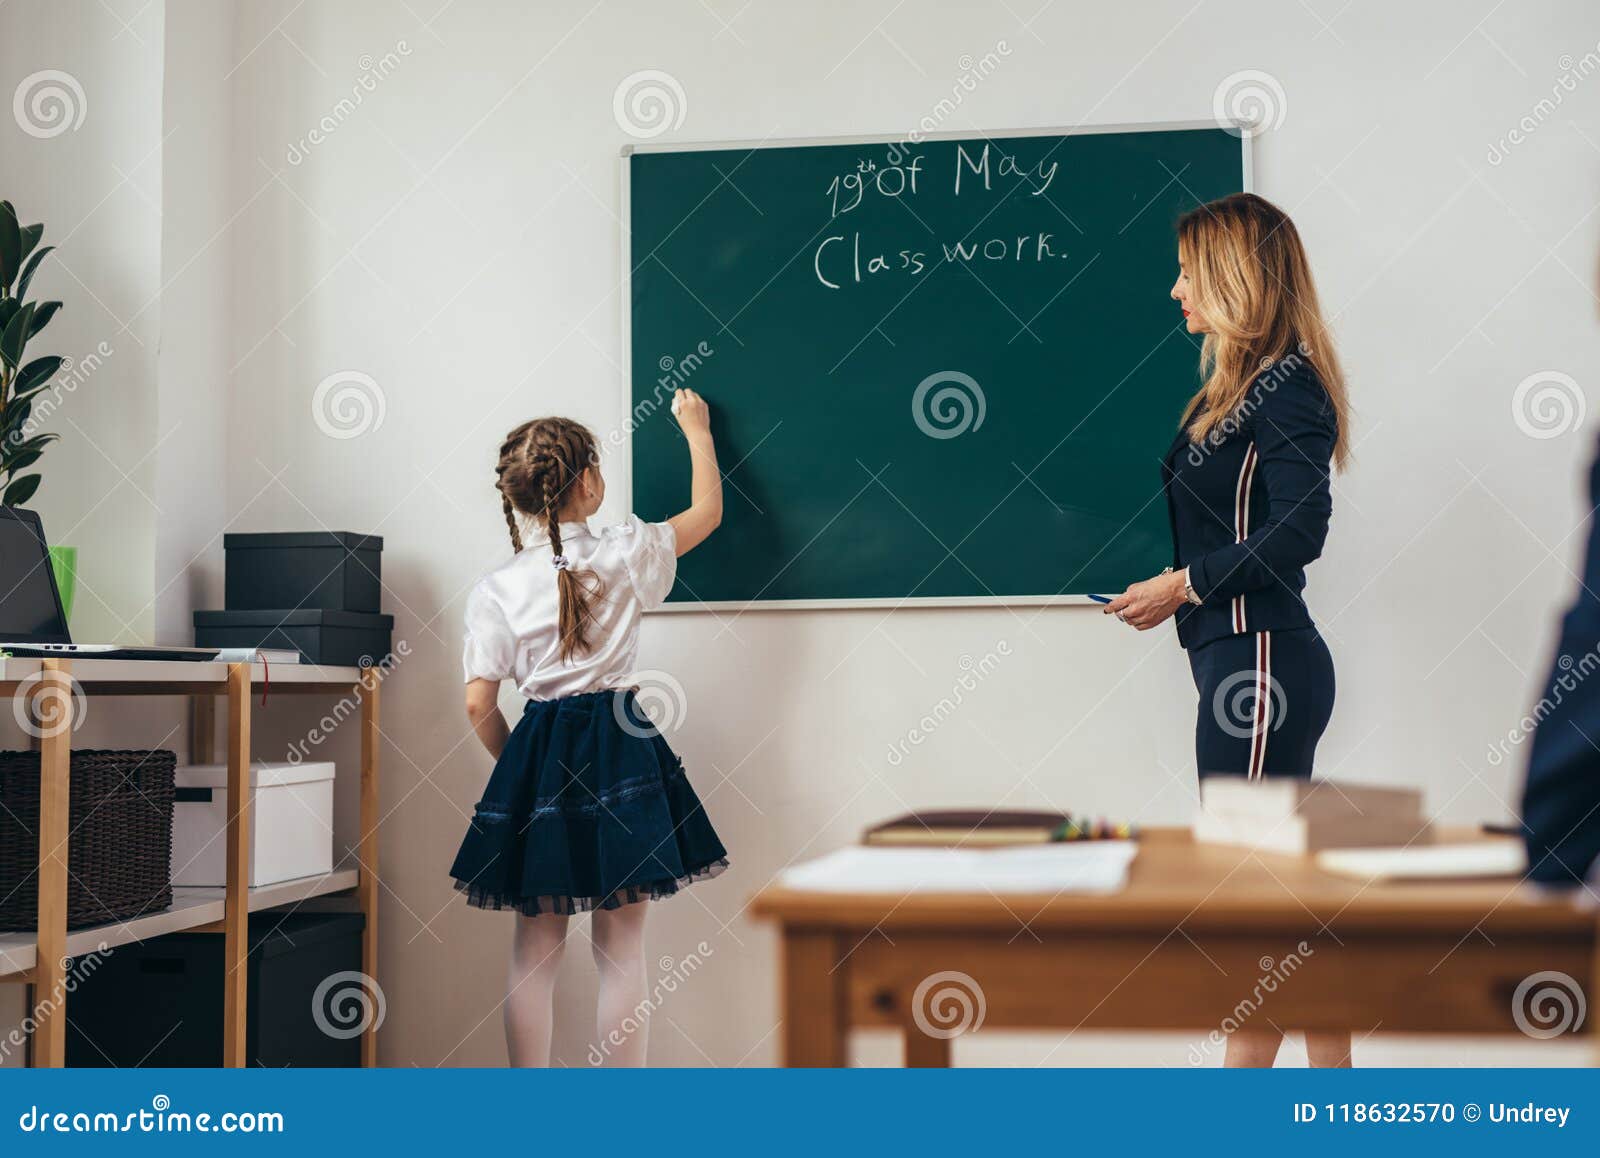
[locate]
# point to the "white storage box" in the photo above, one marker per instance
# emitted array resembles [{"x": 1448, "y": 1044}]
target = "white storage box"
[{"x": 291, "y": 825}]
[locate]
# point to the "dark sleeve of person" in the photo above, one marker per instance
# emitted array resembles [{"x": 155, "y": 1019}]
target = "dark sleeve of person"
[
  {"x": 1294, "y": 436},
  {"x": 1561, "y": 800}
]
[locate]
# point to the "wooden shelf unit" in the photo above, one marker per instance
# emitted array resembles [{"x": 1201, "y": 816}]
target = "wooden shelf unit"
[{"x": 39, "y": 959}]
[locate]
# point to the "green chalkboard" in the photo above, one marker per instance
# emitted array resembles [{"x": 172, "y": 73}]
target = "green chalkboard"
[{"x": 944, "y": 370}]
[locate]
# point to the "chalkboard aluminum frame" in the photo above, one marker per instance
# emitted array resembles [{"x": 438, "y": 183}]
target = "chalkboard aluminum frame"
[{"x": 1247, "y": 184}]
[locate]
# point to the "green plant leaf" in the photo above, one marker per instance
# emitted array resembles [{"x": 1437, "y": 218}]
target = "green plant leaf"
[
  {"x": 37, "y": 373},
  {"x": 42, "y": 316},
  {"x": 8, "y": 310},
  {"x": 10, "y": 245},
  {"x": 21, "y": 489},
  {"x": 15, "y": 336},
  {"x": 30, "y": 395},
  {"x": 15, "y": 417},
  {"x": 24, "y": 454},
  {"x": 37, "y": 442},
  {"x": 29, "y": 269},
  {"x": 23, "y": 460},
  {"x": 30, "y": 238}
]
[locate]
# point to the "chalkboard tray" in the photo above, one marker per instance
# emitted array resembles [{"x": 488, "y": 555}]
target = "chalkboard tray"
[{"x": 942, "y": 371}]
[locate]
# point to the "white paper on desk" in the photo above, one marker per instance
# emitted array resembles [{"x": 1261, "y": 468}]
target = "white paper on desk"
[{"x": 1099, "y": 866}]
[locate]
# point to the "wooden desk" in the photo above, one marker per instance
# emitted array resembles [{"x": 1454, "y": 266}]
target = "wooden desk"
[
  {"x": 1201, "y": 935},
  {"x": 39, "y": 960}
]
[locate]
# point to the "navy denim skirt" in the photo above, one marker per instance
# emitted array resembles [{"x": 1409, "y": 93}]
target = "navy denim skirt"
[{"x": 588, "y": 807}]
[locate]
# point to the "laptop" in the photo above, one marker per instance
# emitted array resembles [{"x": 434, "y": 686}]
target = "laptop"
[{"x": 32, "y": 624}]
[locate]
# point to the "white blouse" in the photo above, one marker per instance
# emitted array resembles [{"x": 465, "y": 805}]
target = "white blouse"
[{"x": 513, "y": 612}]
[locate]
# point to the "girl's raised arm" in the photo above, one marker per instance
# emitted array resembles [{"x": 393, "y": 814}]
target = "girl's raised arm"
[{"x": 694, "y": 525}]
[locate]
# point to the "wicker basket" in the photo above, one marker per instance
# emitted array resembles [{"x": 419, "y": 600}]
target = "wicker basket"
[{"x": 119, "y": 863}]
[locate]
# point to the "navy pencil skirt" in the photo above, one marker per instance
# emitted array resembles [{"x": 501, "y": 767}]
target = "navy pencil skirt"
[{"x": 1265, "y": 700}]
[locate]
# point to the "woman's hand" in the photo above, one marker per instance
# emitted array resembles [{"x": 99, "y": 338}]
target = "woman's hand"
[{"x": 1147, "y": 604}]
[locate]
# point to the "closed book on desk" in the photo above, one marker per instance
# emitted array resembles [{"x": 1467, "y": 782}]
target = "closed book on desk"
[
  {"x": 969, "y": 828},
  {"x": 1304, "y": 834},
  {"x": 1238, "y": 797},
  {"x": 267, "y": 655}
]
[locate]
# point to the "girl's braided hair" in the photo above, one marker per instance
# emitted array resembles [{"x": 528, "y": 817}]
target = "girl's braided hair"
[{"x": 539, "y": 462}]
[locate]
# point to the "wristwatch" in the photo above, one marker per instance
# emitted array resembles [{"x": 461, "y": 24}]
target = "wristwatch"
[{"x": 1189, "y": 594}]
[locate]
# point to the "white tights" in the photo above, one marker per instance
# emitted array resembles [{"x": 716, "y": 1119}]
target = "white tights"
[{"x": 618, "y": 941}]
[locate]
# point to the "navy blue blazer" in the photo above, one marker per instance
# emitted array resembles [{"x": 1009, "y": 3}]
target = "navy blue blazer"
[
  {"x": 1250, "y": 506},
  {"x": 1561, "y": 801}
]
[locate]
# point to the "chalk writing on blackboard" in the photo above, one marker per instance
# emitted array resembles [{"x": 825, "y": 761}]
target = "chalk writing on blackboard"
[{"x": 842, "y": 258}]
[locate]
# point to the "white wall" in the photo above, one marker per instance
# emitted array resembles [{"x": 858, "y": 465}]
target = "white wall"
[
  {"x": 196, "y": 273},
  {"x": 97, "y": 188},
  {"x": 455, "y": 238},
  {"x": 91, "y": 170}
]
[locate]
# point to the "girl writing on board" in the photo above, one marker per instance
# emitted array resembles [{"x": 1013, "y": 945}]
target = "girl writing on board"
[
  {"x": 1247, "y": 486},
  {"x": 587, "y": 809}
]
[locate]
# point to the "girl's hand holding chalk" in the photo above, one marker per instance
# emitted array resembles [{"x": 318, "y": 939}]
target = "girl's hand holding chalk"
[
  {"x": 692, "y": 413},
  {"x": 705, "y": 481}
]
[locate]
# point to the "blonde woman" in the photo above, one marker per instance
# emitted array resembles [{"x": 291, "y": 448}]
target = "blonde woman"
[{"x": 1247, "y": 486}]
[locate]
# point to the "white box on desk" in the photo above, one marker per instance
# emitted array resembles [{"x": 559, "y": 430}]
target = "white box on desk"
[{"x": 291, "y": 824}]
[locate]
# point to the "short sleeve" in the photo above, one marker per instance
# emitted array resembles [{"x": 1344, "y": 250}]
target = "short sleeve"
[
  {"x": 650, "y": 552},
  {"x": 490, "y": 646}
]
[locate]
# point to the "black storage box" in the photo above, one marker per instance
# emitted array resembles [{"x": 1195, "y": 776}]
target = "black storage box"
[
  {"x": 159, "y": 1003},
  {"x": 332, "y": 638},
  {"x": 328, "y": 570}
]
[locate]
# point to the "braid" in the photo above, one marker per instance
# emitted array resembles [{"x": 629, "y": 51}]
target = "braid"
[
  {"x": 511, "y": 522},
  {"x": 552, "y": 488},
  {"x": 509, "y": 462},
  {"x": 539, "y": 462}
]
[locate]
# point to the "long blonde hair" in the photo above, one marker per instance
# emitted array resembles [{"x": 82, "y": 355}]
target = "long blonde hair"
[
  {"x": 1252, "y": 284},
  {"x": 540, "y": 464}
]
